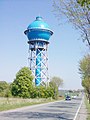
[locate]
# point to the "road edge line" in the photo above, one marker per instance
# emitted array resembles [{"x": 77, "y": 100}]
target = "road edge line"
[{"x": 78, "y": 109}]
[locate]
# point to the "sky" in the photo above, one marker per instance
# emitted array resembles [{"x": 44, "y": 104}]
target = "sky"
[{"x": 65, "y": 50}]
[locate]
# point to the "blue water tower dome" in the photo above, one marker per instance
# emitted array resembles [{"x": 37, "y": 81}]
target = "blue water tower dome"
[
  {"x": 38, "y": 30},
  {"x": 38, "y": 34}
]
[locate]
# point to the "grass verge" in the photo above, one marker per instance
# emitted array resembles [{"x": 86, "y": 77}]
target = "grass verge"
[
  {"x": 12, "y": 103},
  {"x": 88, "y": 109}
]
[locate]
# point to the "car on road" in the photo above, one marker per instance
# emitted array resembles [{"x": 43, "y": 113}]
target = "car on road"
[
  {"x": 67, "y": 97},
  {"x": 74, "y": 97}
]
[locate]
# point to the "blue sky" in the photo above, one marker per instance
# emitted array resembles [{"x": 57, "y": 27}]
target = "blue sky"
[{"x": 65, "y": 50}]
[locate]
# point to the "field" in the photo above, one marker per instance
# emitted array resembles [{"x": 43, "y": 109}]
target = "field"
[{"x": 12, "y": 103}]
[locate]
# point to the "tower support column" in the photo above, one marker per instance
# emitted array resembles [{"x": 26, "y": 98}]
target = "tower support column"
[{"x": 38, "y": 61}]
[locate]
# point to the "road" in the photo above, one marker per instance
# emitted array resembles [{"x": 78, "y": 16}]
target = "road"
[{"x": 60, "y": 110}]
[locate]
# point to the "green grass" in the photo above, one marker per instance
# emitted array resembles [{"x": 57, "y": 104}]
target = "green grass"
[
  {"x": 12, "y": 103},
  {"x": 88, "y": 108}
]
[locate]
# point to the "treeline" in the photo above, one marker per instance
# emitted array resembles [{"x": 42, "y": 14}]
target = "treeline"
[
  {"x": 5, "y": 89},
  {"x": 85, "y": 74},
  {"x": 23, "y": 86}
]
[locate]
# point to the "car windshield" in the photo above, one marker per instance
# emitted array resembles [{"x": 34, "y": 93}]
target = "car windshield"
[{"x": 68, "y": 96}]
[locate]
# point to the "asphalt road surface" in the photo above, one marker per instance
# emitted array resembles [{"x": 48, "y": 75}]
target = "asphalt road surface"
[{"x": 60, "y": 110}]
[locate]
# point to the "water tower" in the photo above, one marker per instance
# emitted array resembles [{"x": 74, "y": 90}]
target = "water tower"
[{"x": 38, "y": 34}]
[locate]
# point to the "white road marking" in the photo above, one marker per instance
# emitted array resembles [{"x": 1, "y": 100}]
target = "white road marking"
[{"x": 78, "y": 109}]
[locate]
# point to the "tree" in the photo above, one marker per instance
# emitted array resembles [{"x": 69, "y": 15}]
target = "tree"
[
  {"x": 22, "y": 85},
  {"x": 3, "y": 85},
  {"x": 5, "y": 89},
  {"x": 86, "y": 85},
  {"x": 84, "y": 2},
  {"x": 84, "y": 69},
  {"x": 76, "y": 14},
  {"x": 55, "y": 83},
  {"x": 42, "y": 92}
]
